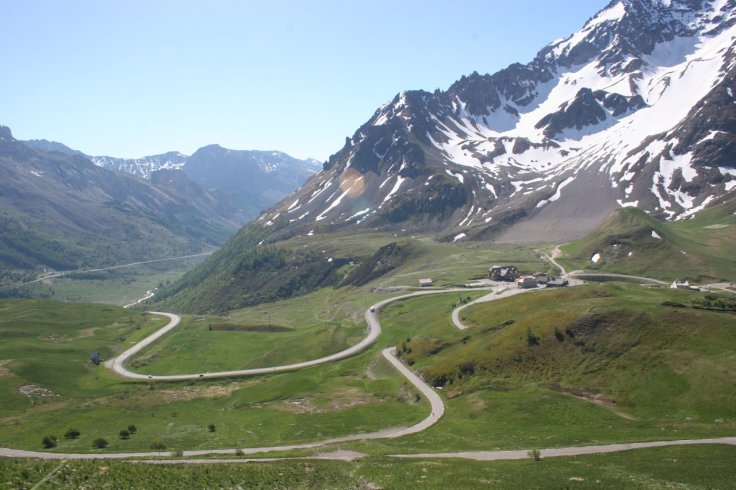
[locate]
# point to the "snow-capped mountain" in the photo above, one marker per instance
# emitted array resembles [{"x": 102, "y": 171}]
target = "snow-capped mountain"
[
  {"x": 264, "y": 161},
  {"x": 142, "y": 167},
  {"x": 635, "y": 109},
  {"x": 247, "y": 180}
]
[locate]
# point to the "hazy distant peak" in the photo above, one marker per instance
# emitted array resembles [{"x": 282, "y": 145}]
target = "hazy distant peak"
[{"x": 6, "y": 134}]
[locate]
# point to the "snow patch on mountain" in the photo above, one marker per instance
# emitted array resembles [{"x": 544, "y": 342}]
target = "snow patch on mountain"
[{"x": 142, "y": 167}]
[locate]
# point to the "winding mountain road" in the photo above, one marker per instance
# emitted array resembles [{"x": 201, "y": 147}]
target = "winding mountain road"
[{"x": 374, "y": 329}]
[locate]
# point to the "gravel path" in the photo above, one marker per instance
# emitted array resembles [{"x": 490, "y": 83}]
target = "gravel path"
[{"x": 567, "y": 451}]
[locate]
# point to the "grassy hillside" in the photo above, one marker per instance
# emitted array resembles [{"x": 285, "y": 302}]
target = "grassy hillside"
[
  {"x": 48, "y": 385},
  {"x": 699, "y": 249},
  {"x": 288, "y": 331},
  {"x": 248, "y": 270},
  {"x": 61, "y": 212},
  {"x": 253, "y": 268},
  {"x": 653, "y": 357}
]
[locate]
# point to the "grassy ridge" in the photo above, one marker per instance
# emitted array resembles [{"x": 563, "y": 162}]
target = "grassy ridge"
[
  {"x": 699, "y": 249},
  {"x": 616, "y": 340}
]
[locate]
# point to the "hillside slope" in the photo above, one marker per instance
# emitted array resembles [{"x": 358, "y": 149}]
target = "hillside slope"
[
  {"x": 653, "y": 355},
  {"x": 61, "y": 212},
  {"x": 631, "y": 242}
]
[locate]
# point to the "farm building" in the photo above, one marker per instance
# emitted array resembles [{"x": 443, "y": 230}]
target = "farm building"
[
  {"x": 558, "y": 283},
  {"x": 542, "y": 277},
  {"x": 425, "y": 283},
  {"x": 506, "y": 273},
  {"x": 527, "y": 282}
]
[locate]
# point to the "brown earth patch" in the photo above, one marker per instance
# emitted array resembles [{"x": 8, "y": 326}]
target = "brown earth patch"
[
  {"x": 597, "y": 398},
  {"x": 87, "y": 332},
  {"x": 167, "y": 395},
  {"x": 337, "y": 401},
  {"x": 194, "y": 392},
  {"x": 251, "y": 328},
  {"x": 4, "y": 371},
  {"x": 54, "y": 339}
]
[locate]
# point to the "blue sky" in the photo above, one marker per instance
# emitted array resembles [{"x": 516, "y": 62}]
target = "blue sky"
[{"x": 139, "y": 77}]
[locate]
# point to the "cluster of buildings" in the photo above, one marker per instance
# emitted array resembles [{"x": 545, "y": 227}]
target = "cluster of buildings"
[{"x": 509, "y": 273}]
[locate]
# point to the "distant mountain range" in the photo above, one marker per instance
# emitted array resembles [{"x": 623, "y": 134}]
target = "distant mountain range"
[
  {"x": 60, "y": 210},
  {"x": 635, "y": 109},
  {"x": 251, "y": 181}
]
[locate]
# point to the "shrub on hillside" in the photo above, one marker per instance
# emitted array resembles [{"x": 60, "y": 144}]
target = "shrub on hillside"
[
  {"x": 49, "y": 441},
  {"x": 71, "y": 434},
  {"x": 100, "y": 443}
]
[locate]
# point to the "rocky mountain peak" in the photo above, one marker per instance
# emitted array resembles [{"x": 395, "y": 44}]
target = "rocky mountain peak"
[{"x": 626, "y": 30}]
